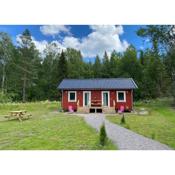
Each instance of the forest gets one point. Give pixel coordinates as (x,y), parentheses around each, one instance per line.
(28,75)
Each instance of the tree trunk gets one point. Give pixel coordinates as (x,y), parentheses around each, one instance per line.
(24,89)
(3,78)
(173,91)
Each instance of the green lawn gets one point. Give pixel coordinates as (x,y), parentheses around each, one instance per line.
(46,130)
(159,124)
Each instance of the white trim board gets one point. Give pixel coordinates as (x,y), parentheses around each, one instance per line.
(108,97)
(124,96)
(89,97)
(69,96)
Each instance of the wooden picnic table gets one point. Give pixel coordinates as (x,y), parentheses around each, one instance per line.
(20,115)
(17,113)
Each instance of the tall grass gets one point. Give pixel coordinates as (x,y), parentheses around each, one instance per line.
(30,106)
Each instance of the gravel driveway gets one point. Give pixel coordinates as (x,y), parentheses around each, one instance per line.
(124,139)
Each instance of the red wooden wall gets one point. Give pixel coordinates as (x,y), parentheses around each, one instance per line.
(96,95)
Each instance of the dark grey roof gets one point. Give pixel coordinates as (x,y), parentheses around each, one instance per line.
(102,83)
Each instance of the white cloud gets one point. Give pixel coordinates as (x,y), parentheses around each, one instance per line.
(141,48)
(42,45)
(173,30)
(147,40)
(54,29)
(102,38)
(110,29)
(18,39)
(71,42)
(55,45)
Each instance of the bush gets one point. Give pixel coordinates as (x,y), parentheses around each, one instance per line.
(153,136)
(123,120)
(103,136)
(5,98)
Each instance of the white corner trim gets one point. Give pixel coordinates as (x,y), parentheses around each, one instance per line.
(69,100)
(124,92)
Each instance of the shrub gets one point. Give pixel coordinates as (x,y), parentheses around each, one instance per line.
(5,98)
(103,136)
(153,136)
(123,120)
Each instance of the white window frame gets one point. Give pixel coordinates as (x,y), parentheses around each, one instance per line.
(69,100)
(124,92)
(108,98)
(89,98)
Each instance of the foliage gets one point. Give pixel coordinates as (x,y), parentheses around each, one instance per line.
(153,136)
(4,98)
(103,136)
(6,55)
(62,67)
(105,66)
(75,63)
(97,68)
(161,36)
(170,68)
(33,76)
(123,121)
(28,64)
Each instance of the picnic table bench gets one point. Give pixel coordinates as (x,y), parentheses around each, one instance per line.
(20,115)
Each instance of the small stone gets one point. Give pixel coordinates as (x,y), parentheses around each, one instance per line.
(143,112)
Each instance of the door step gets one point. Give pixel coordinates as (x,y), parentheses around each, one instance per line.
(83,110)
(108,110)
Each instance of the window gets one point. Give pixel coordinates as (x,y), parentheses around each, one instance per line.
(121,96)
(72,96)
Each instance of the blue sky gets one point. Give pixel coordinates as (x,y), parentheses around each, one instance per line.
(90,39)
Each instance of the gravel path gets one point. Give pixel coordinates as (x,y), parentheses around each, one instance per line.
(124,139)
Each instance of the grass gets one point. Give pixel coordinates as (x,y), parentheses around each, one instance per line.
(159,124)
(47,130)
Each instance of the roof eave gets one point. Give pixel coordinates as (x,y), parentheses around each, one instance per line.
(94,88)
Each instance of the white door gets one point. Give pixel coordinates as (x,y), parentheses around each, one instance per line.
(86,98)
(105,98)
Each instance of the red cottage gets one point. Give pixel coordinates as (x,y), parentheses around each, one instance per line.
(97,95)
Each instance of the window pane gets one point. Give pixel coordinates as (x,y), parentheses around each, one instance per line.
(105,99)
(120,96)
(72,96)
(86,99)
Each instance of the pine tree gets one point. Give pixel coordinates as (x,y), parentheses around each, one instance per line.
(130,65)
(28,63)
(154,81)
(103,135)
(6,54)
(62,67)
(106,66)
(49,73)
(114,64)
(75,63)
(88,70)
(97,68)
(170,68)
